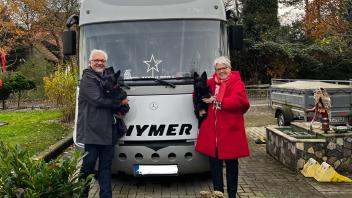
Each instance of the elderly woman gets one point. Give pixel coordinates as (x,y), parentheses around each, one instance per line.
(222,134)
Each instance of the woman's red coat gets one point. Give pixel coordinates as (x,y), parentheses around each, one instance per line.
(224,128)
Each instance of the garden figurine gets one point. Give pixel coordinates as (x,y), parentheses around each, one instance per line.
(321,108)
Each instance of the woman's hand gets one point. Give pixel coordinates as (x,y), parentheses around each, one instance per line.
(209,100)
(202,113)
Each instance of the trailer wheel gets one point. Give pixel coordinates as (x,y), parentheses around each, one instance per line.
(282,120)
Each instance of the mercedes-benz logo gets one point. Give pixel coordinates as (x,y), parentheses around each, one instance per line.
(153,106)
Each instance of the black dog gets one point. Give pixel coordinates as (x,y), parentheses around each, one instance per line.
(201,90)
(111,83)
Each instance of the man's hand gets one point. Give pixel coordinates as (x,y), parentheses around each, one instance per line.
(124,108)
(124,101)
(209,100)
(119,115)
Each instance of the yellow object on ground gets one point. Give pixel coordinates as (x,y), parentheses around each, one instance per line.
(326,173)
(261,140)
(310,168)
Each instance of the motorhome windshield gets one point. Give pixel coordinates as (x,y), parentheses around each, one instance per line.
(156,49)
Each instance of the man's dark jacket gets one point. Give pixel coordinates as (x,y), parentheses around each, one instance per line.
(95,115)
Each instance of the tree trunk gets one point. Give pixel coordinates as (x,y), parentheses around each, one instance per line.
(19,98)
(3,104)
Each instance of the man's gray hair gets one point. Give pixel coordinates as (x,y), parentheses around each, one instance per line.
(222,60)
(95,51)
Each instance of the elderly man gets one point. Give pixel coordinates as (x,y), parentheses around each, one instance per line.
(94,124)
(222,134)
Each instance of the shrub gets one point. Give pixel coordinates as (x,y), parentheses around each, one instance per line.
(60,87)
(21,176)
(36,69)
(15,82)
(19,83)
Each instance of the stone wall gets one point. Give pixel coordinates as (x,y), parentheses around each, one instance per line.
(338,153)
(335,149)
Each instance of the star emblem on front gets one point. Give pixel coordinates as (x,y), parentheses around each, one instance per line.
(153,64)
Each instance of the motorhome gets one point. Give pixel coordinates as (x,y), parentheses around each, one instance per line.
(157,45)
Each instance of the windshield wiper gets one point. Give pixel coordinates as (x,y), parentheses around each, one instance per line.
(160,81)
(164,82)
(181,78)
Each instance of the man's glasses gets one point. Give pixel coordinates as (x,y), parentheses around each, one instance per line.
(99,60)
(221,69)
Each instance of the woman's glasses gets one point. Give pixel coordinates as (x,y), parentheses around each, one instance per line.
(221,69)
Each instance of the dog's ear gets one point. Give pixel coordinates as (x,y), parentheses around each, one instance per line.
(204,75)
(195,75)
(110,70)
(117,74)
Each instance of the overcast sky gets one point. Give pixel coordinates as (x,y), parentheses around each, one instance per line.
(289,14)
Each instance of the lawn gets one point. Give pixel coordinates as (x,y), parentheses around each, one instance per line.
(34,130)
(259,116)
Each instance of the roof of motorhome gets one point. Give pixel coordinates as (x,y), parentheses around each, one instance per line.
(98,11)
(309,85)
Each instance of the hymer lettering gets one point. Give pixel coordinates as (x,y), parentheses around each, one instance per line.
(159,130)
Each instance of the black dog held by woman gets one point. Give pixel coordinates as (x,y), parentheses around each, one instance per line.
(201,90)
(111,85)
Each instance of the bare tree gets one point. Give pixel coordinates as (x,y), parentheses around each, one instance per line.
(53,22)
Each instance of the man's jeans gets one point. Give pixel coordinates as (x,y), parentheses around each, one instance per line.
(231,175)
(105,153)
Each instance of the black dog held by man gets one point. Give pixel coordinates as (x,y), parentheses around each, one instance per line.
(111,83)
(201,90)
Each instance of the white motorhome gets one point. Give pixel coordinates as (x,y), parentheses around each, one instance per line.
(157,45)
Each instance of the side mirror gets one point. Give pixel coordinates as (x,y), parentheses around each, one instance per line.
(69,42)
(236,37)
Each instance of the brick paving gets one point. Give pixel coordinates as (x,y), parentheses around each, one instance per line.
(260,176)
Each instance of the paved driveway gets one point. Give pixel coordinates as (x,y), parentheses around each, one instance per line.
(260,176)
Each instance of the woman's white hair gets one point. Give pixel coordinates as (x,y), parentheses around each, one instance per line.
(222,60)
(95,51)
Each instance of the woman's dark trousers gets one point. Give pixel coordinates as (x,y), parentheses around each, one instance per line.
(105,153)
(231,175)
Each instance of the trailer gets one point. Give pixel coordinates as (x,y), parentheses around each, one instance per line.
(157,45)
(290,100)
